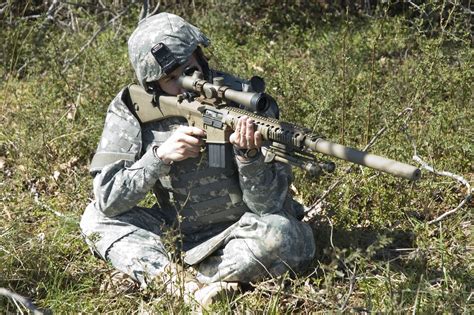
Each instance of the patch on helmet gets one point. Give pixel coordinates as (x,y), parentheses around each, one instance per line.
(164,57)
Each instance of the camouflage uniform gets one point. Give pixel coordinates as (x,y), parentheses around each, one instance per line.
(236,224)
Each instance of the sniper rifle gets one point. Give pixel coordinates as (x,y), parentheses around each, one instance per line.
(209,106)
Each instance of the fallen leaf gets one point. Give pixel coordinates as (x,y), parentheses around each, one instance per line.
(71,111)
(257,68)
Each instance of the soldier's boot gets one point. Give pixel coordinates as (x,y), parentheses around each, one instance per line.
(182,283)
(119,282)
(213,292)
(179,282)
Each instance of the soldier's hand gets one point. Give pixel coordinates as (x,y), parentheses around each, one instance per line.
(184,143)
(245,136)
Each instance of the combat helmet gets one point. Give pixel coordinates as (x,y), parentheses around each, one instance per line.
(160,44)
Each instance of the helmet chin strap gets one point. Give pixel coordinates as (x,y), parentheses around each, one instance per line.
(202,61)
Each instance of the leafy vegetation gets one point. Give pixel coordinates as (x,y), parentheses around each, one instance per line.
(345,72)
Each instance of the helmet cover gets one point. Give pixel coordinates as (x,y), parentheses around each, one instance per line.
(161,43)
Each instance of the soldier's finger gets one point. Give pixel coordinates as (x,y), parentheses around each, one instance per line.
(250,135)
(238,127)
(243,130)
(258,139)
(192,140)
(186,150)
(235,136)
(192,131)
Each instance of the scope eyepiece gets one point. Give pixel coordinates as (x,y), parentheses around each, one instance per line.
(259,103)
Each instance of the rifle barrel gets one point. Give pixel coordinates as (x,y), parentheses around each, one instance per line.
(300,138)
(363,158)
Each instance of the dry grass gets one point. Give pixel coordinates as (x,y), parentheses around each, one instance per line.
(345,76)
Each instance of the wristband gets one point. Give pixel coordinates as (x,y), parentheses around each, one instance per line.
(246,153)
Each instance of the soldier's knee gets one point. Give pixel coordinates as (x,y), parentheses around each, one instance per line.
(276,235)
(289,240)
(96,232)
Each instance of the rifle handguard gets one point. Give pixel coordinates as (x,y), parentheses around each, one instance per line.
(301,138)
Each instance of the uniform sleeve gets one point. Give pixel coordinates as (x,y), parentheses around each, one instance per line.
(118,187)
(122,174)
(264,185)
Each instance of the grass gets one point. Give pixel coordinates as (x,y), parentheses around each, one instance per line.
(343,75)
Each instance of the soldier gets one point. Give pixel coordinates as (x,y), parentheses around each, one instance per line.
(236,225)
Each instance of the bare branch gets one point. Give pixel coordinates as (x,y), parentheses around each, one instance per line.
(30,17)
(310,213)
(87,5)
(414,5)
(51,11)
(155,10)
(21,299)
(4,7)
(68,62)
(351,289)
(456,177)
(145,9)
(102,4)
(466,10)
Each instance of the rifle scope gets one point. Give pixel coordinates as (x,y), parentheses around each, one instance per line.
(252,101)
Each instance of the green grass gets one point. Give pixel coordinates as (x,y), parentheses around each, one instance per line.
(344,76)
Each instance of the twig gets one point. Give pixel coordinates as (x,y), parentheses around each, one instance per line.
(464,9)
(456,177)
(310,213)
(351,289)
(415,305)
(332,232)
(431,169)
(145,10)
(416,6)
(30,17)
(23,300)
(94,36)
(53,9)
(102,4)
(384,128)
(87,5)
(45,206)
(4,7)
(155,10)
(50,14)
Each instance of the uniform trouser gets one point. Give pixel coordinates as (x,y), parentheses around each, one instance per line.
(256,247)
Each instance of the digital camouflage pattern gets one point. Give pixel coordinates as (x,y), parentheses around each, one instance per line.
(237,224)
(178,35)
(265,239)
